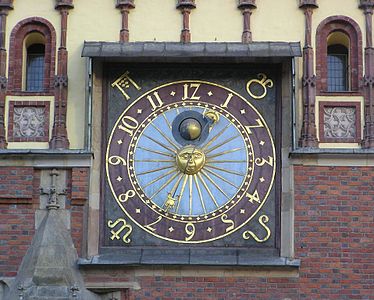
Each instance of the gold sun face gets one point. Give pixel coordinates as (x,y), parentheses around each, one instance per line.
(193,168)
(190,160)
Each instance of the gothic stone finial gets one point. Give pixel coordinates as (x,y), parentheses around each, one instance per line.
(53,192)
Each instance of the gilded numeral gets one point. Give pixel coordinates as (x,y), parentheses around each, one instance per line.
(226,220)
(128,124)
(190,230)
(126,196)
(253,197)
(150,225)
(258,125)
(262,220)
(261,161)
(191,88)
(116,160)
(229,96)
(116,234)
(158,101)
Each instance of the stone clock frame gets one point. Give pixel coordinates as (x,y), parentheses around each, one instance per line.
(281,61)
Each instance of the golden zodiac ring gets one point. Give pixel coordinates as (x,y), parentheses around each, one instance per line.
(263,81)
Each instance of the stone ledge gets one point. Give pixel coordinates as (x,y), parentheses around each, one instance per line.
(45,158)
(189,52)
(189,259)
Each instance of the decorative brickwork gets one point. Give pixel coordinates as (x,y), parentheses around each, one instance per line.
(18,34)
(368,80)
(185,6)
(5,6)
(246,7)
(339,122)
(28,121)
(308,136)
(125,6)
(59,138)
(349,27)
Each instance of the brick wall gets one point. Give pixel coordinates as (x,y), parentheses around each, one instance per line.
(79,196)
(17,207)
(334,227)
(19,199)
(334,238)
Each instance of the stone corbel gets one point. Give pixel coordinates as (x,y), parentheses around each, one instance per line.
(185,6)
(246,7)
(308,131)
(125,6)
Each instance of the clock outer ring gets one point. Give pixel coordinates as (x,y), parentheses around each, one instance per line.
(143,227)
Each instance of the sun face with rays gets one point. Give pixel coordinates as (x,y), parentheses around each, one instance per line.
(190,162)
(191,180)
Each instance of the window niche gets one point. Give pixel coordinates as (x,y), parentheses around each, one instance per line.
(338,56)
(32,57)
(337,62)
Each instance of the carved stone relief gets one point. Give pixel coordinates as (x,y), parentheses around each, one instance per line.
(339,122)
(29,122)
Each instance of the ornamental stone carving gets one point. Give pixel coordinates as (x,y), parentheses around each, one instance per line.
(3,83)
(339,122)
(61,81)
(29,122)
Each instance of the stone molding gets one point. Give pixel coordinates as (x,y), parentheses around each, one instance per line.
(174,51)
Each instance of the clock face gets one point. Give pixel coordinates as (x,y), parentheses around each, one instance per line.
(190,161)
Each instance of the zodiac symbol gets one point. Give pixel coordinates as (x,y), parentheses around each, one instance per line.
(262,220)
(116,234)
(263,81)
(123,83)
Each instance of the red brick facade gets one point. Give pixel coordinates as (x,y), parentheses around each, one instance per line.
(334,238)
(79,199)
(19,200)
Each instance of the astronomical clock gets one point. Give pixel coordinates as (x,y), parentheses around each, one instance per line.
(191,157)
